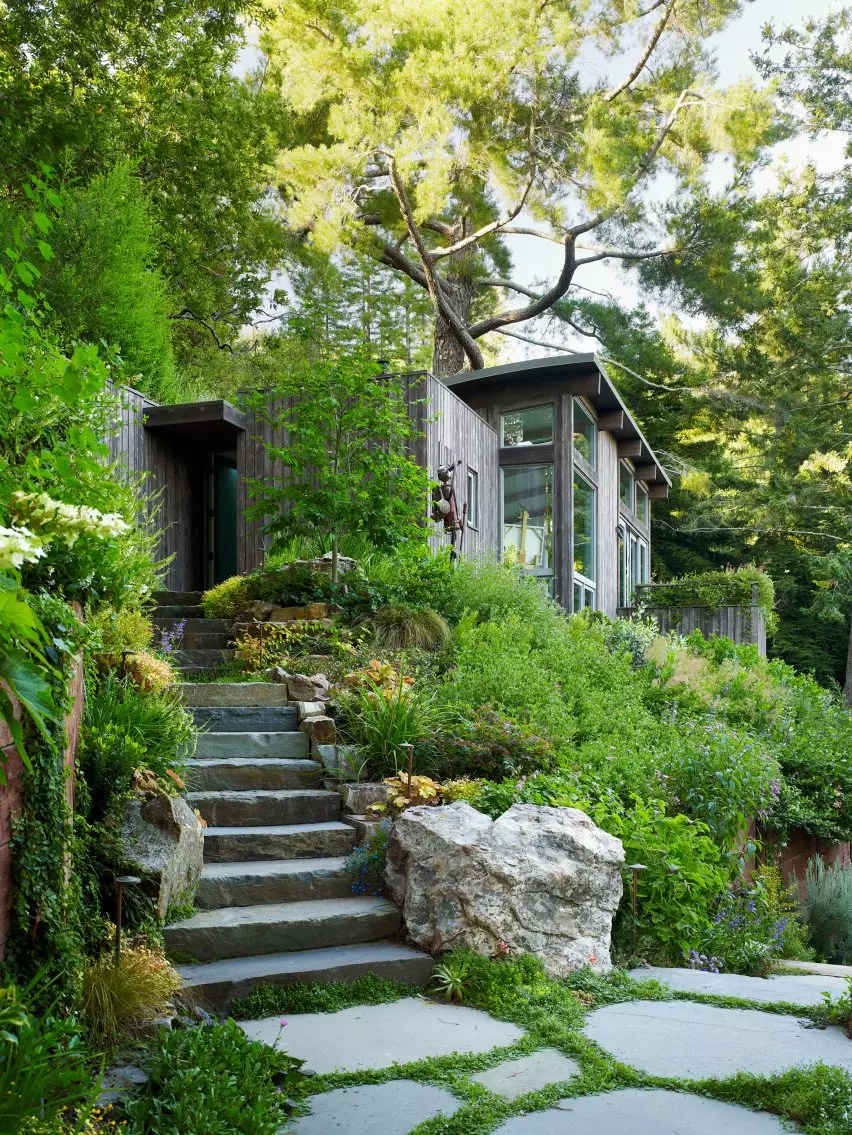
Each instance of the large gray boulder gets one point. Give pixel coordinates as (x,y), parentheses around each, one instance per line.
(546,881)
(165,838)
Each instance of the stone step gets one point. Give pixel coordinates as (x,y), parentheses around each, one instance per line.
(217,984)
(234,774)
(239,694)
(242,931)
(246,719)
(174,612)
(293,743)
(171,598)
(209,659)
(272,881)
(193,626)
(253,808)
(207,640)
(284,841)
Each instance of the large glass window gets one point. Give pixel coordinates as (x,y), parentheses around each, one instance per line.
(472,497)
(643,506)
(528,516)
(585,433)
(533,426)
(585,524)
(626,485)
(633,565)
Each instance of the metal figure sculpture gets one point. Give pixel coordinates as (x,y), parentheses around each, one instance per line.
(445,507)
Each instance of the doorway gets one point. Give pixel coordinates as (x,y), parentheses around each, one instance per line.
(222,517)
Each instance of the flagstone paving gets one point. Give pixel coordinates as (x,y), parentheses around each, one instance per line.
(681,1039)
(636,1112)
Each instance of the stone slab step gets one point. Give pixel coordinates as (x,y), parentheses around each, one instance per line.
(246,719)
(203,626)
(293,743)
(227,694)
(206,640)
(177,597)
(284,841)
(207,658)
(272,881)
(174,612)
(243,931)
(224,774)
(286,806)
(217,984)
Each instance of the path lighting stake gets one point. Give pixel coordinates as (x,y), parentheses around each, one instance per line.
(120,883)
(635,868)
(407,745)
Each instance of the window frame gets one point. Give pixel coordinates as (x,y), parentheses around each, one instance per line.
(588,583)
(551,406)
(579,404)
(640,491)
(472,498)
(540,571)
(625,467)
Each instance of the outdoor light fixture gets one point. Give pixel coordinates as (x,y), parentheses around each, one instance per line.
(635,868)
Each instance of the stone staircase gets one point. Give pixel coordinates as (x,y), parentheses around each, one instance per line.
(206,642)
(275,900)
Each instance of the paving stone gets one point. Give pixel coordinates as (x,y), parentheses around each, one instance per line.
(637,1112)
(528,1074)
(693,1041)
(392,1109)
(375,1036)
(804,989)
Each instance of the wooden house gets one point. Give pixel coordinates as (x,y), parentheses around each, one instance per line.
(550,470)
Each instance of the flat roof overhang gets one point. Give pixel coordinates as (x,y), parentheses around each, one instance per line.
(583,374)
(213,425)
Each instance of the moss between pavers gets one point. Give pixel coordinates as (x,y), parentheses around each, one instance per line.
(819,1098)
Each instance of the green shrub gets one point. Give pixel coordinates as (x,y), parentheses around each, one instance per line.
(398,627)
(366,863)
(125,728)
(114,632)
(227,599)
(213,1081)
(382,721)
(717,589)
(488,744)
(43,1069)
(828,902)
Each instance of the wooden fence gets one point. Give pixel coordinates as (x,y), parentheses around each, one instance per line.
(738,622)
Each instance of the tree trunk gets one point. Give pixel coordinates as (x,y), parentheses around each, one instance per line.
(448,355)
(459,290)
(847,688)
(334,559)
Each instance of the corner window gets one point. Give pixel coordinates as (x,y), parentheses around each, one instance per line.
(584,531)
(472,497)
(634,566)
(626,485)
(528,516)
(533,426)
(643,504)
(585,433)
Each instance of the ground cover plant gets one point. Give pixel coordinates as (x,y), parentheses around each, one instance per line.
(552,1012)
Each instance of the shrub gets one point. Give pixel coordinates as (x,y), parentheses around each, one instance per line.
(828,903)
(398,627)
(382,722)
(117,631)
(719,588)
(43,1068)
(120,999)
(492,745)
(125,728)
(419,791)
(213,1079)
(152,675)
(366,862)
(227,599)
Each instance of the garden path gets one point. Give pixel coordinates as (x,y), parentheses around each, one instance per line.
(680,1040)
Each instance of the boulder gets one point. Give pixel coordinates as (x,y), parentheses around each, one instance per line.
(357,798)
(321,730)
(164,836)
(546,881)
(307,687)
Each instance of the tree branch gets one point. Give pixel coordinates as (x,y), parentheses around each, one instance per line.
(433,283)
(537,306)
(189,315)
(486,230)
(510,285)
(393,258)
(538,342)
(659,28)
(616,254)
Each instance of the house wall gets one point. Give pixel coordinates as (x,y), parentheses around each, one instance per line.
(608,516)
(172,488)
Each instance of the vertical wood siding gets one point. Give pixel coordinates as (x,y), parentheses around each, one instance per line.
(607,541)
(741,624)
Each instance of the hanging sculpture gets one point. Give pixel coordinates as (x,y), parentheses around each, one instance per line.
(445,507)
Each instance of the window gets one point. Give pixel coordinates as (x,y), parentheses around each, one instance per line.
(585,433)
(633,565)
(585,528)
(533,426)
(626,485)
(472,497)
(528,516)
(643,504)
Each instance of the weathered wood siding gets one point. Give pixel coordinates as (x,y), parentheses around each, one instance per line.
(608,515)
(741,624)
(451,431)
(255,464)
(171,481)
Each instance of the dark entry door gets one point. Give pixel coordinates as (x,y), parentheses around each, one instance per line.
(222,549)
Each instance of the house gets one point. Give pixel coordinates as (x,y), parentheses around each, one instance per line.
(550,470)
